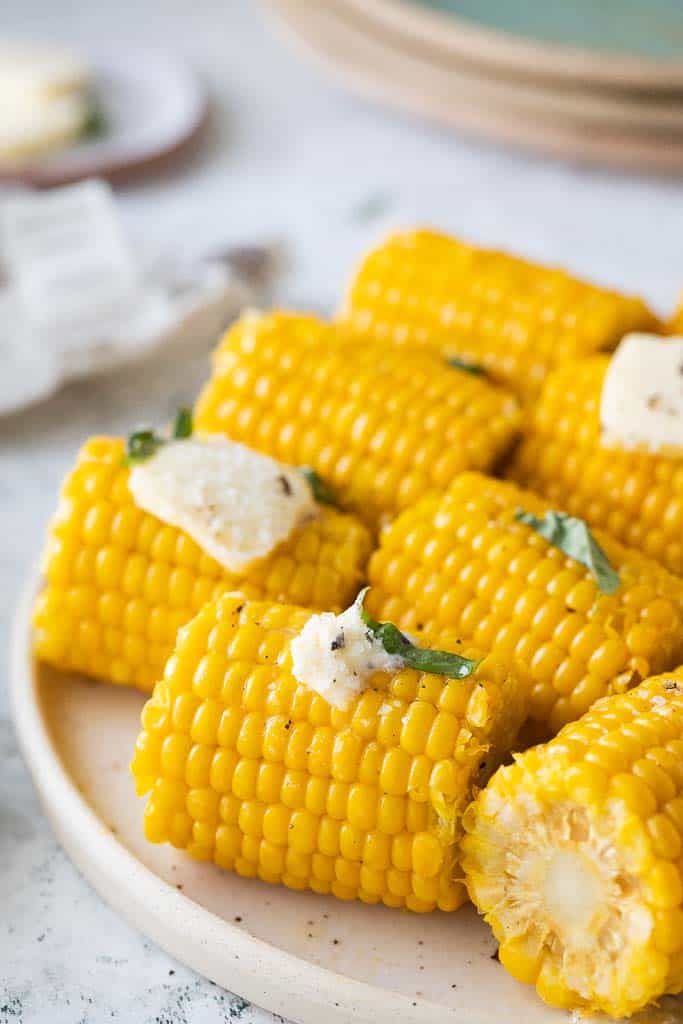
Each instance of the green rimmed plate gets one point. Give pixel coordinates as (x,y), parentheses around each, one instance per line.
(623,43)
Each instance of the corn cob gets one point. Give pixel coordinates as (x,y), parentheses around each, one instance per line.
(635,495)
(675,324)
(574,855)
(119,582)
(248,768)
(515,319)
(383,428)
(464,563)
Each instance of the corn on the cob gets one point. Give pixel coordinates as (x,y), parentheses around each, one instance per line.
(574,855)
(464,563)
(515,319)
(119,582)
(384,427)
(636,496)
(675,324)
(255,771)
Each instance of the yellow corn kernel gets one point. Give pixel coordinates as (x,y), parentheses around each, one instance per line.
(580,873)
(119,583)
(383,428)
(636,496)
(330,808)
(514,318)
(569,652)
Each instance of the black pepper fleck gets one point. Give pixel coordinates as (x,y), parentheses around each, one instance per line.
(338,642)
(285,485)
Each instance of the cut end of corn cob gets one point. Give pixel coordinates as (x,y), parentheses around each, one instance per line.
(258,773)
(464,563)
(514,318)
(384,427)
(119,583)
(573,854)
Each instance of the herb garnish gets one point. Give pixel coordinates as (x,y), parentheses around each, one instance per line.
(572,536)
(442,663)
(462,364)
(322,492)
(96,124)
(142,444)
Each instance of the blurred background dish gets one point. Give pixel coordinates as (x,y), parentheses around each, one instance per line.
(129,110)
(373,49)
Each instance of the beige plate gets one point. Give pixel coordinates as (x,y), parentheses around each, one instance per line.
(403,79)
(518,55)
(484,86)
(386,966)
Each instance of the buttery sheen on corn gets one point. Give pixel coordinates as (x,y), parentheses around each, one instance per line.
(383,427)
(636,496)
(119,582)
(463,563)
(515,319)
(248,768)
(574,855)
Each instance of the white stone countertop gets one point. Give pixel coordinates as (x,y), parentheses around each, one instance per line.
(290,157)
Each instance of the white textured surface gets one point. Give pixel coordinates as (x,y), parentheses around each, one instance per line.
(289,157)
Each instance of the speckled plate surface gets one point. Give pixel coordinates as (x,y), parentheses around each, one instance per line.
(308,957)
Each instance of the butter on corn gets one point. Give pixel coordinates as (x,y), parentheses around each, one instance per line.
(384,427)
(635,495)
(119,582)
(250,769)
(514,318)
(465,563)
(574,854)
(641,404)
(237,504)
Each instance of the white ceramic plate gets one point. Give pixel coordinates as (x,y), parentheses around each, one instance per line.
(153,105)
(308,957)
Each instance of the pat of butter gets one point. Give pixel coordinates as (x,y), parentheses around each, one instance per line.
(237,504)
(642,395)
(337,655)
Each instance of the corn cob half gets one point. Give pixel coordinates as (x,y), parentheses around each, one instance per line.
(119,582)
(464,563)
(574,855)
(636,496)
(248,768)
(515,319)
(384,428)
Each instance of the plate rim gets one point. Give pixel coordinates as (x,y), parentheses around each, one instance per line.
(521,55)
(573,143)
(269,977)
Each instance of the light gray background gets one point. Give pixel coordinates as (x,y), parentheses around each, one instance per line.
(290,157)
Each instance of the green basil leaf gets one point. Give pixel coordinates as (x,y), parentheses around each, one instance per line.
(322,492)
(424,659)
(182,425)
(142,444)
(465,366)
(572,536)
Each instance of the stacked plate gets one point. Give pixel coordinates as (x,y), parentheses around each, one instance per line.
(600,83)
